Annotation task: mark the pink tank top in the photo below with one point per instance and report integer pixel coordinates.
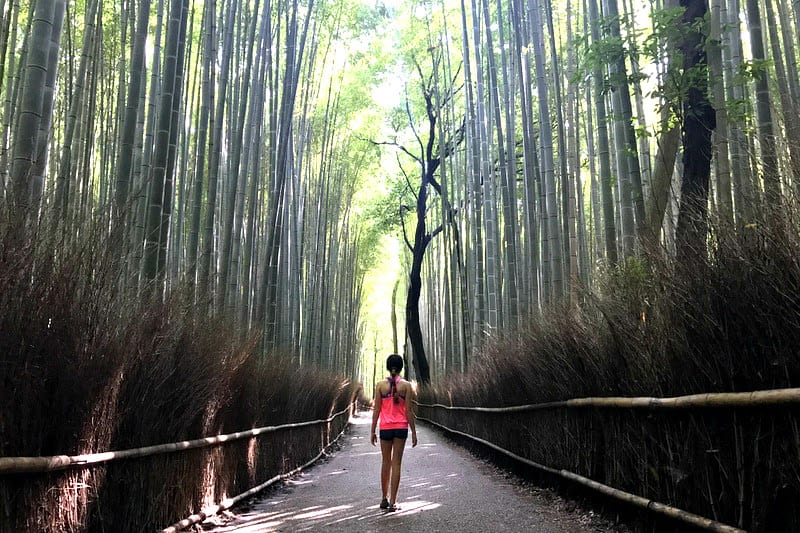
(393, 415)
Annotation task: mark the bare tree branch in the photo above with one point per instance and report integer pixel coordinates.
(414, 129)
(436, 186)
(429, 237)
(455, 77)
(408, 180)
(449, 96)
(431, 131)
(455, 140)
(403, 223)
(396, 145)
(453, 89)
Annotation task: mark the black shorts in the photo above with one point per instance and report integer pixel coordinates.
(389, 434)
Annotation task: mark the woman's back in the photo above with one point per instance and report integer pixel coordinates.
(393, 403)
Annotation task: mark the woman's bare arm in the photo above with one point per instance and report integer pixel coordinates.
(376, 413)
(410, 413)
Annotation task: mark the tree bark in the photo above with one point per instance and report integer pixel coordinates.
(766, 129)
(124, 165)
(698, 123)
(609, 218)
(26, 133)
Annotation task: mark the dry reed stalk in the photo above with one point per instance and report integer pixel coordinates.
(230, 502)
(632, 499)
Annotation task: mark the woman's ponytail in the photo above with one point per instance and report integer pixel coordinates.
(393, 389)
(394, 364)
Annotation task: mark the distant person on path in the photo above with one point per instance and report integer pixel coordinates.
(394, 407)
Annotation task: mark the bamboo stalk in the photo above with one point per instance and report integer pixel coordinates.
(638, 501)
(227, 503)
(763, 398)
(16, 465)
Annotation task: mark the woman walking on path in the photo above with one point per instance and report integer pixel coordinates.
(394, 407)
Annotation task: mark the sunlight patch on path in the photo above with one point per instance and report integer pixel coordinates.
(322, 512)
(442, 488)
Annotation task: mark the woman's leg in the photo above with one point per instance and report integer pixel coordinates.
(386, 465)
(397, 458)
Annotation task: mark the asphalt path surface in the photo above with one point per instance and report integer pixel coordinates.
(442, 488)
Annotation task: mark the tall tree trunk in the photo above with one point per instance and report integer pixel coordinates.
(294, 58)
(507, 189)
(744, 195)
(698, 123)
(563, 170)
(609, 218)
(641, 122)
(766, 129)
(714, 51)
(788, 102)
(492, 282)
(148, 146)
(552, 244)
(413, 326)
(124, 165)
(10, 97)
(160, 182)
(33, 91)
(627, 166)
(206, 104)
(232, 192)
(473, 165)
(48, 100)
(668, 140)
(75, 106)
(530, 246)
(205, 282)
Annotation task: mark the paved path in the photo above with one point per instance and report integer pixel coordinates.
(443, 488)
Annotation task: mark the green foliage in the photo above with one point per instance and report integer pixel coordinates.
(753, 70)
(383, 213)
(605, 51)
(369, 247)
(739, 110)
(641, 132)
(597, 55)
(397, 118)
(631, 281)
(661, 46)
(667, 45)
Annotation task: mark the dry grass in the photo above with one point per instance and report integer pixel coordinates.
(728, 323)
(87, 366)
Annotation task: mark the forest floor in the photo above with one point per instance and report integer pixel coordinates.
(443, 488)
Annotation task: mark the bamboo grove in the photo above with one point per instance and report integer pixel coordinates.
(207, 139)
(222, 145)
(597, 133)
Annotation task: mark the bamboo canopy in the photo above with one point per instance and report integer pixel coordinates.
(638, 501)
(16, 465)
(763, 398)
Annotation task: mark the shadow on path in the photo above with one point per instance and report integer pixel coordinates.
(443, 488)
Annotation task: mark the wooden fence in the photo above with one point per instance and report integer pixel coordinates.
(757, 399)
(36, 465)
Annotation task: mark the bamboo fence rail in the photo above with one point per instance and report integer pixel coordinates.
(789, 397)
(637, 501)
(762, 398)
(227, 503)
(17, 465)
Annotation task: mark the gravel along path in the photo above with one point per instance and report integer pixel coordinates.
(442, 488)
